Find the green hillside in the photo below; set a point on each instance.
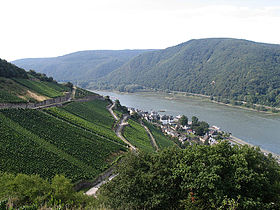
(161, 140)
(80, 66)
(226, 68)
(137, 136)
(19, 86)
(90, 115)
(50, 145)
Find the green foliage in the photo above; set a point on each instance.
(200, 127)
(9, 70)
(32, 192)
(228, 69)
(42, 88)
(137, 136)
(39, 76)
(162, 140)
(183, 120)
(84, 150)
(199, 177)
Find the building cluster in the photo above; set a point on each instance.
(170, 125)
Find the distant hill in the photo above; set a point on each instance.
(80, 66)
(220, 67)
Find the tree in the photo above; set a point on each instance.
(183, 120)
(194, 120)
(199, 177)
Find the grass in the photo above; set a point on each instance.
(137, 136)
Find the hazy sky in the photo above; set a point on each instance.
(44, 28)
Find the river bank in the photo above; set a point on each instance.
(238, 141)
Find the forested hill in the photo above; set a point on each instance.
(221, 67)
(80, 66)
(9, 70)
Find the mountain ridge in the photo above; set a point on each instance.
(81, 65)
(232, 69)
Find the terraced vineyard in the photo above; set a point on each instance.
(44, 88)
(24, 152)
(137, 136)
(74, 147)
(105, 132)
(161, 139)
(5, 96)
(93, 111)
(80, 93)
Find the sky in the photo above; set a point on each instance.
(48, 28)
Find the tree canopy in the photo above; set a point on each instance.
(199, 177)
(9, 70)
(183, 120)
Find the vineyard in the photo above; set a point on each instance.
(161, 139)
(93, 111)
(137, 136)
(49, 146)
(80, 93)
(44, 88)
(98, 129)
(7, 97)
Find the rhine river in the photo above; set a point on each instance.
(259, 129)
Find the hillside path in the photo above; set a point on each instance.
(122, 122)
(153, 141)
(92, 191)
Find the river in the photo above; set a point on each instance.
(260, 129)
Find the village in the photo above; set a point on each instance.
(188, 132)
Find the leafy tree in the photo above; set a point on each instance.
(183, 120)
(199, 177)
(194, 121)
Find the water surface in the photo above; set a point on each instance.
(260, 129)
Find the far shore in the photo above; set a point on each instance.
(186, 94)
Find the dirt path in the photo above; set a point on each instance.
(112, 113)
(153, 141)
(73, 93)
(122, 122)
